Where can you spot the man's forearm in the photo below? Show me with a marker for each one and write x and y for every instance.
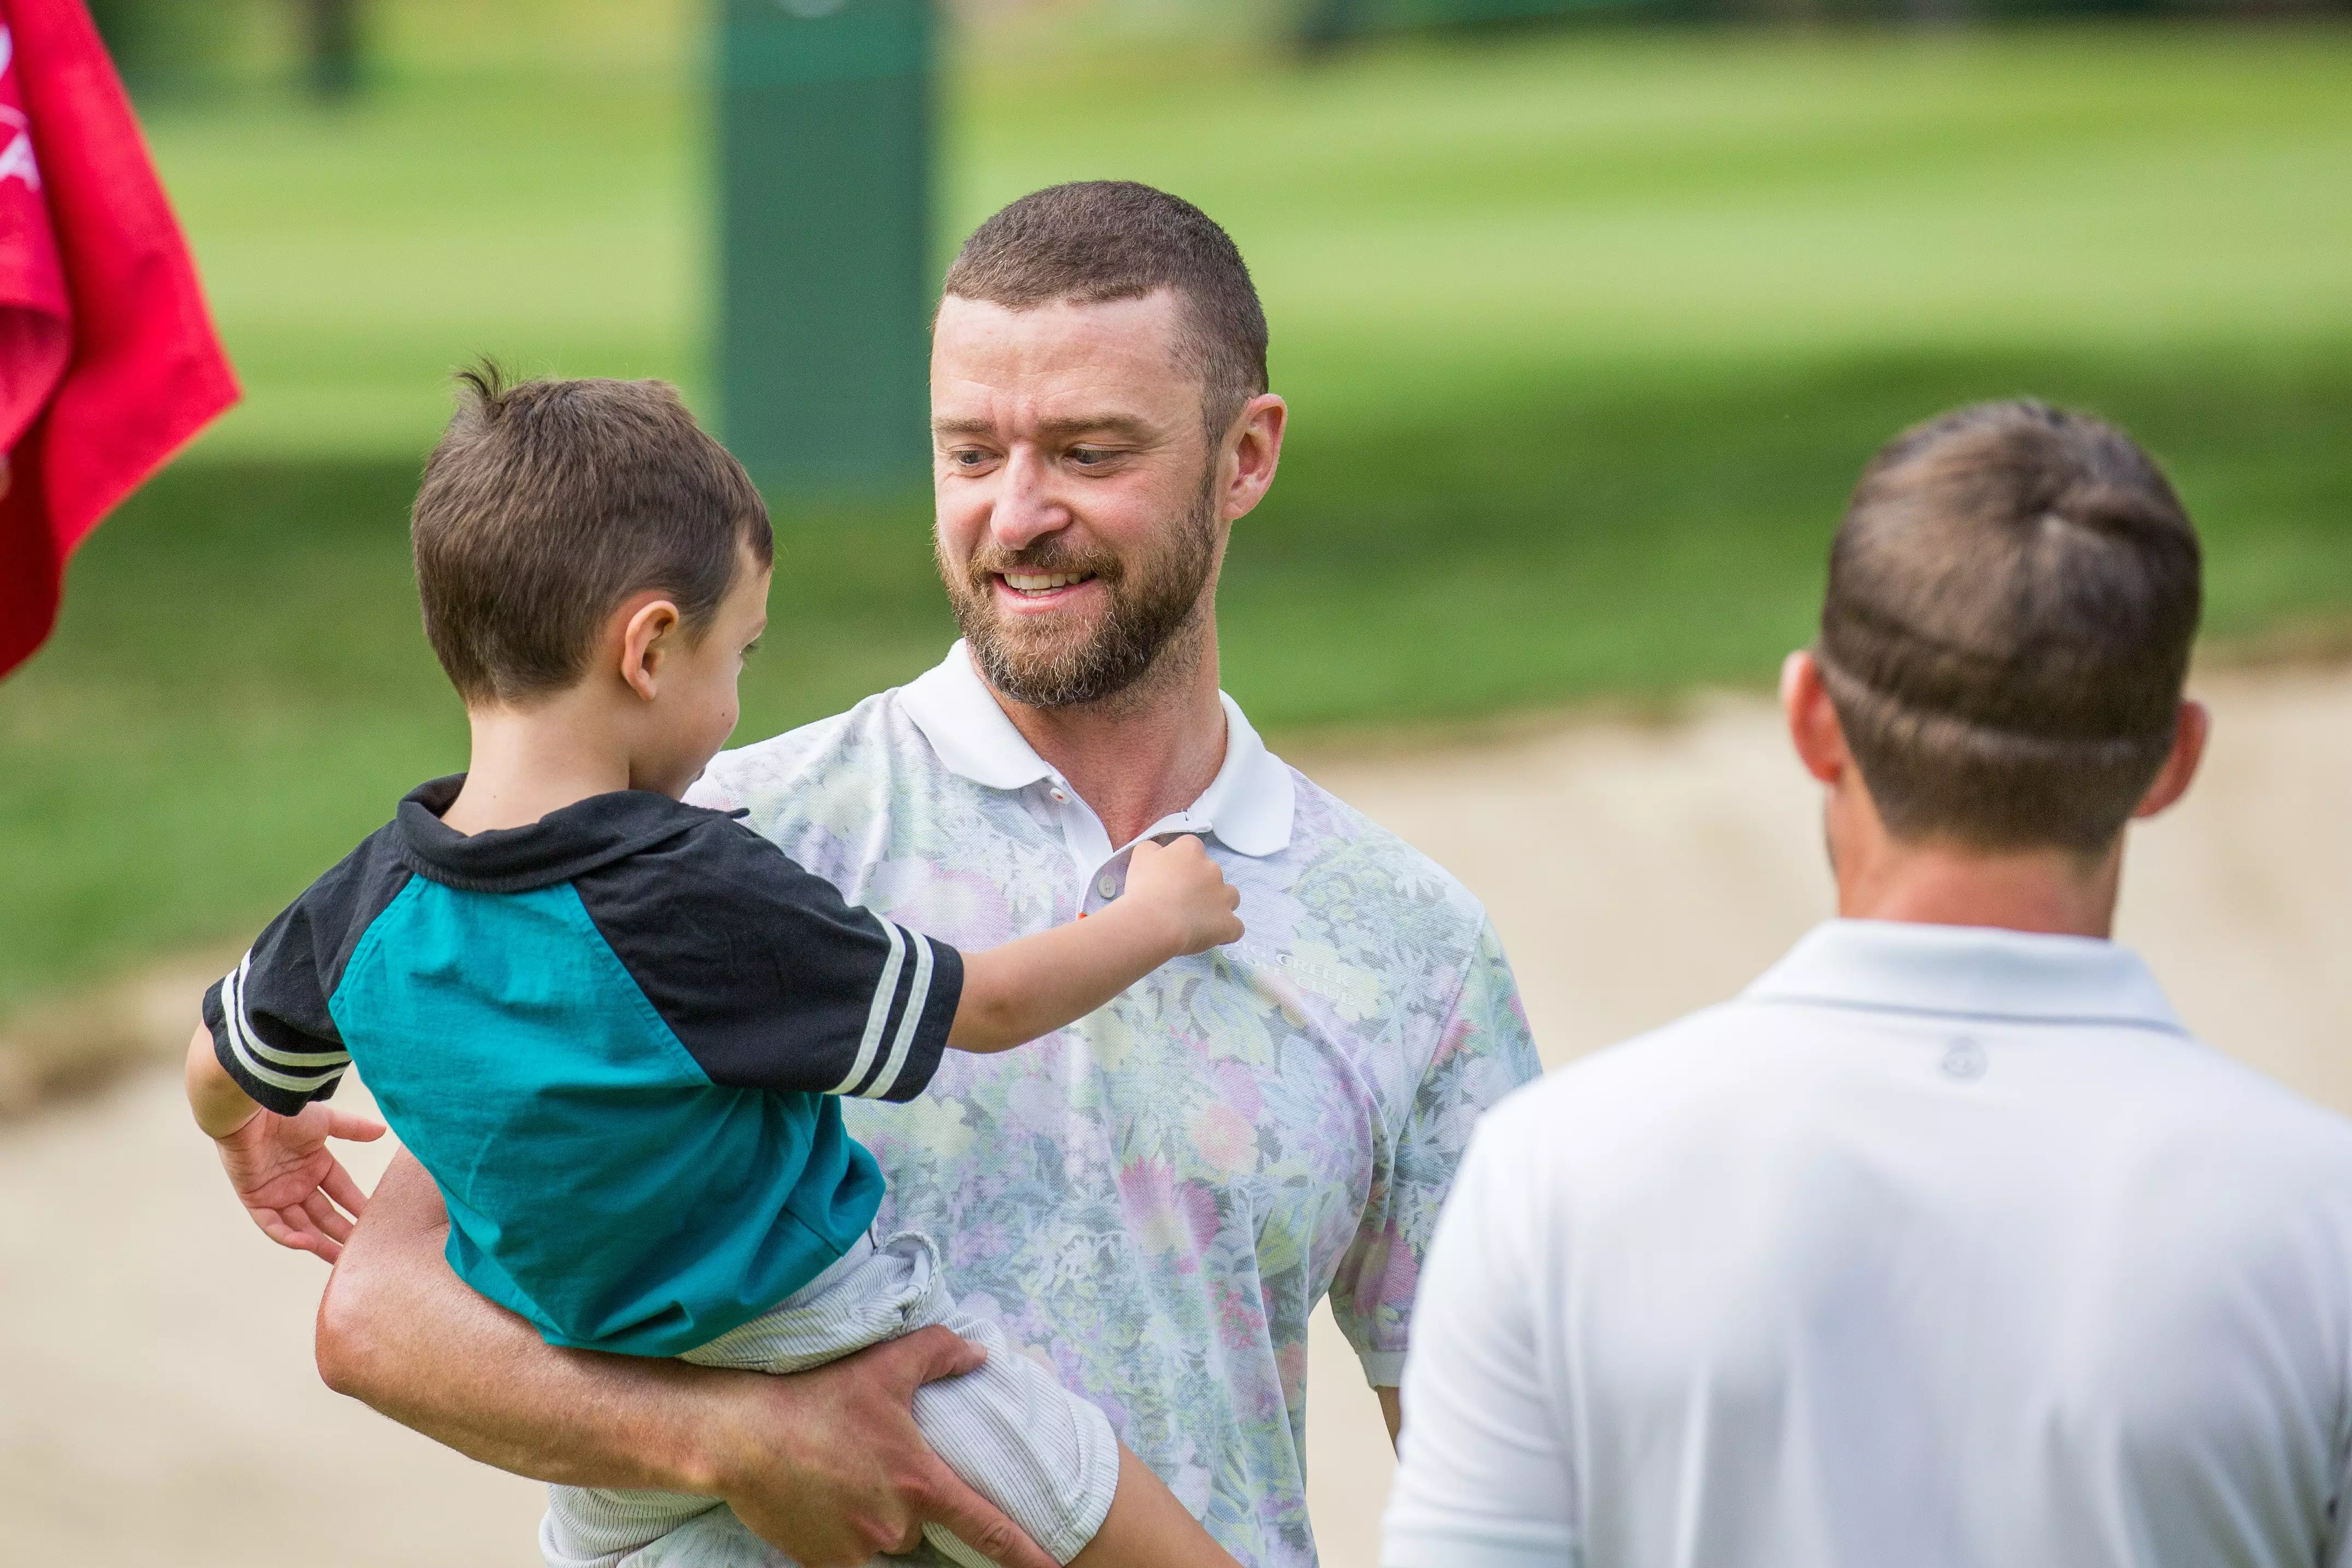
(828, 1465)
(400, 1331)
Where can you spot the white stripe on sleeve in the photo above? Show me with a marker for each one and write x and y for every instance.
(247, 1044)
(916, 995)
(877, 1015)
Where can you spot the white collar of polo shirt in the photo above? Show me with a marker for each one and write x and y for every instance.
(1248, 807)
(1968, 971)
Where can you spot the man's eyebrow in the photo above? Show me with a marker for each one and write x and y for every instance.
(1120, 426)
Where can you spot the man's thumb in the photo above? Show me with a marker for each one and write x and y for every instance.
(935, 1353)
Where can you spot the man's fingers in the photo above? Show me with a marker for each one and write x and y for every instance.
(975, 1522)
(929, 1354)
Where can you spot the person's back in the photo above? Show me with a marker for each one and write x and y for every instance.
(1945, 1243)
(1950, 1282)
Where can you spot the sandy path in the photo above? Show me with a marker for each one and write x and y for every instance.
(156, 1398)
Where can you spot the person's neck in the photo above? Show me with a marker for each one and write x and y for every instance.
(2052, 891)
(532, 760)
(1145, 753)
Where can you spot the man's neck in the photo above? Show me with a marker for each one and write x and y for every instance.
(2047, 892)
(1144, 754)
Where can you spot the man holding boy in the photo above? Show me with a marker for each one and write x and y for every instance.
(1153, 1200)
(1944, 1243)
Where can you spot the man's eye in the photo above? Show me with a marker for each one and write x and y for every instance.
(1091, 456)
(967, 459)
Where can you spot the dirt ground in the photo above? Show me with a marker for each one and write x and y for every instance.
(157, 1402)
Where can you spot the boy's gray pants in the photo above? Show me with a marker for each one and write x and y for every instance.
(1036, 1451)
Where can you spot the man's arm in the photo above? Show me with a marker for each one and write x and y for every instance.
(1486, 1483)
(828, 1465)
(1393, 1412)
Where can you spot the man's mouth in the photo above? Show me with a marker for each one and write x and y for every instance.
(1042, 584)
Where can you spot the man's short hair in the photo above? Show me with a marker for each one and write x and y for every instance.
(1102, 240)
(548, 502)
(2011, 602)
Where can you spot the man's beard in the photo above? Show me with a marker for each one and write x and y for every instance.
(1151, 601)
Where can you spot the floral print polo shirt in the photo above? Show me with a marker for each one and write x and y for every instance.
(1152, 1200)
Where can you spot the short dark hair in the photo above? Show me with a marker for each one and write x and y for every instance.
(1100, 240)
(547, 503)
(2012, 599)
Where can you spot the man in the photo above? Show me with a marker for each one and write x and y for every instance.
(1154, 1200)
(1944, 1243)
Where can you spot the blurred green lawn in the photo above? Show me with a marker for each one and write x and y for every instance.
(1586, 332)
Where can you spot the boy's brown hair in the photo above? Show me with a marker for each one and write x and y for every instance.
(547, 503)
(1100, 240)
(2012, 602)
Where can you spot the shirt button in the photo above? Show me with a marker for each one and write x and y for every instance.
(1107, 885)
(1963, 1059)
(1059, 796)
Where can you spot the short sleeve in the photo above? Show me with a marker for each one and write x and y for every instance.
(1483, 1052)
(767, 976)
(1482, 1478)
(271, 1030)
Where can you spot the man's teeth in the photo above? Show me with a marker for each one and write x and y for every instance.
(1041, 582)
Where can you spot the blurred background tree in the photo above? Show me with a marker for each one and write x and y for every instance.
(1586, 321)
(174, 47)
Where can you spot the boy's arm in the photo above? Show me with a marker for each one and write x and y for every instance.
(827, 1465)
(1176, 903)
(292, 1186)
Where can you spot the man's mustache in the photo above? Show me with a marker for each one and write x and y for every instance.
(1045, 557)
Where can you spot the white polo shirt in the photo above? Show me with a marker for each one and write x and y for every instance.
(1152, 1200)
(1938, 1248)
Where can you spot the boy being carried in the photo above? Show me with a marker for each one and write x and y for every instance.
(614, 1026)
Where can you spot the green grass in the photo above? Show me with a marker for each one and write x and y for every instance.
(1586, 337)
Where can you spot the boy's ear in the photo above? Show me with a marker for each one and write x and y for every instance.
(642, 648)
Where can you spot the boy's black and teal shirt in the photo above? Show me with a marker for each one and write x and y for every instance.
(614, 1036)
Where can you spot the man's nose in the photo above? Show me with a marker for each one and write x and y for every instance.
(1026, 508)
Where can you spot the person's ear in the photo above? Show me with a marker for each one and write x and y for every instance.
(1813, 728)
(2188, 738)
(644, 632)
(1257, 438)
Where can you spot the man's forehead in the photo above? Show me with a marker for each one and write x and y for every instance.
(1065, 361)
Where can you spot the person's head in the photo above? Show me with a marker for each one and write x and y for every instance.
(2012, 597)
(1101, 418)
(586, 539)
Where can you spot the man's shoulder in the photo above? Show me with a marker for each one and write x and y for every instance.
(1331, 839)
(865, 738)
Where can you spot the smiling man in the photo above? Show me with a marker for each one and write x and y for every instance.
(1154, 1200)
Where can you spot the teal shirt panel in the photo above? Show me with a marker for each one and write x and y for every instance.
(599, 1184)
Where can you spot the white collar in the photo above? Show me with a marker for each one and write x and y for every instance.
(1976, 971)
(1248, 806)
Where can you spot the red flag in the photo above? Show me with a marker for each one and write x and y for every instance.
(108, 359)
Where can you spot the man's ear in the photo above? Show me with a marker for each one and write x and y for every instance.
(1813, 728)
(2188, 738)
(1257, 453)
(645, 625)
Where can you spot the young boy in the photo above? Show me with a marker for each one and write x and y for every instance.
(613, 1026)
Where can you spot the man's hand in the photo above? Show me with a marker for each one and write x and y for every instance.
(829, 1466)
(284, 1174)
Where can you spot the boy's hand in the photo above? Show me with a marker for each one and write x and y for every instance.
(280, 1166)
(1180, 884)
(292, 1183)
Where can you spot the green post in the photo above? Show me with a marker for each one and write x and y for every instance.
(825, 116)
